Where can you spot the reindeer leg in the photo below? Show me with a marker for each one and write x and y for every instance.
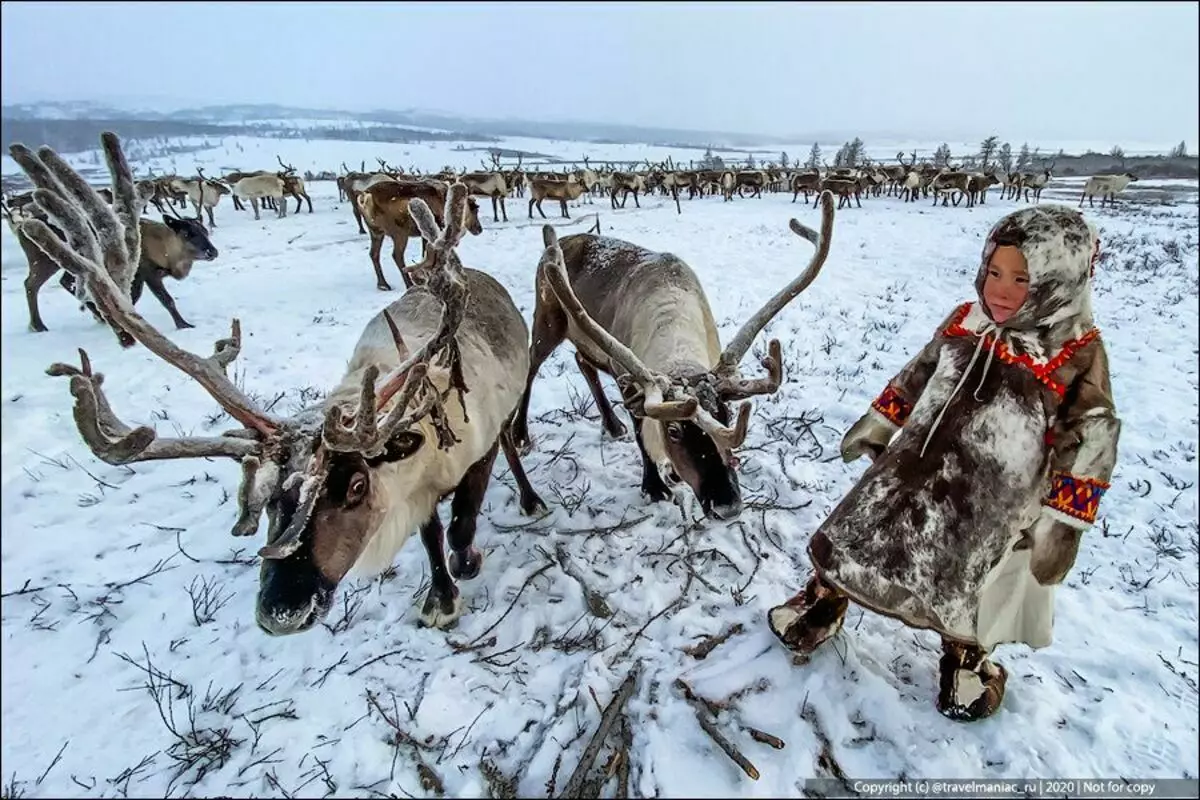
(40, 271)
(376, 246)
(530, 502)
(563, 202)
(212, 223)
(635, 199)
(539, 208)
(254, 203)
(309, 199)
(612, 426)
(465, 559)
(442, 606)
(399, 248)
(503, 210)
(154, 282)
(548, 331)
(531, 201)
(652, 482)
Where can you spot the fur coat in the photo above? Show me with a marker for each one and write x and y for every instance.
(989, 438)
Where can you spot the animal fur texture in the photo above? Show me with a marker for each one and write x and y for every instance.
(986, 422)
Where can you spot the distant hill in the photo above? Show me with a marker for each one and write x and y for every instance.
(478, 129)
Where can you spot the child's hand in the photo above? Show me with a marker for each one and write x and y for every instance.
(1055, 546)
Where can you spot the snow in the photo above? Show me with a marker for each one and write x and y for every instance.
(113, 553)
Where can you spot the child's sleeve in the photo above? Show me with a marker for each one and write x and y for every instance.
(1084, 449)
(890, 410)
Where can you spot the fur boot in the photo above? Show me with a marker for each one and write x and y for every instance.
(810, 618)
(970, 687)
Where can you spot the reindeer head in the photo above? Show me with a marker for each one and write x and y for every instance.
(688, 427)
(316, 473)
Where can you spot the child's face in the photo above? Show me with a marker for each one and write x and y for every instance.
(1007, 283)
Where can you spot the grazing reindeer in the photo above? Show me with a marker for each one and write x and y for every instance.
(344, 483)
(293, 185)
(386, 207)
(562, 191)
(168, 249)
(1107, 186)
(644, 318)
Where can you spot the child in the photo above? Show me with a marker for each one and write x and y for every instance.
(1005, 439)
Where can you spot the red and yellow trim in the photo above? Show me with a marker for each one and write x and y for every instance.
(1042, 372)
(1077, 497)
(892, 405)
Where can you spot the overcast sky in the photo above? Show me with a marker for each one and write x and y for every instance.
(1106, 71)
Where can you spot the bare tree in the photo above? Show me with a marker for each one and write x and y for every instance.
(814, 157)
(987, 149)
(1005, 158)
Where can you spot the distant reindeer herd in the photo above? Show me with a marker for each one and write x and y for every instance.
(380, 201)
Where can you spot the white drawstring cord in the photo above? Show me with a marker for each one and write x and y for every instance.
(982, 332)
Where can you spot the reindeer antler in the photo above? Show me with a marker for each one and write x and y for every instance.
(654, 387)
(366, 434)
(102, 249)
(727, 367)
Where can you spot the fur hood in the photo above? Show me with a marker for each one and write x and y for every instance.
(1059, 246)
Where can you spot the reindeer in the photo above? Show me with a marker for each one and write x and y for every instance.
(168, 249)
(358, 182)
(946, 183)
(805, 182)
(489, 183)
(1107, 186)
(626, 182)
(643, 318)
(979, 184)
(293, 184)
(258, 186)
(1037, 182)
(204, 194)
(560, 190)
(386, 207)
(345, 482)
(752, 179)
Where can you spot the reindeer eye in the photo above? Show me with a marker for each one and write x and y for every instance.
(357, 489)
(675, 431)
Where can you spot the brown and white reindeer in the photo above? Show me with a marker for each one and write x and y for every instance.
(952, 184)
(626, 183)
(356, 183)
(489, 183)
(168, 248)
(204, 194)
(293, 185)
(643, 318)
(563, 191)
(1036, 182)
(344, 483)
(386, 208)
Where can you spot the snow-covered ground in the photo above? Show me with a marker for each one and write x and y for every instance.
(115, 578)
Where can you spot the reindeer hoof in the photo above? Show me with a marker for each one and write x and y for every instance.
(182, 324)
(618, 433)
(384, 287)
(532, 506)
(441, 611)
(465, 564)
(37, 328)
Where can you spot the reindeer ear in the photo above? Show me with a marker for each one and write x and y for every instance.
(399, 448)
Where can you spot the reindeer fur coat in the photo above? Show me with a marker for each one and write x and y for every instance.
(987, 432)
